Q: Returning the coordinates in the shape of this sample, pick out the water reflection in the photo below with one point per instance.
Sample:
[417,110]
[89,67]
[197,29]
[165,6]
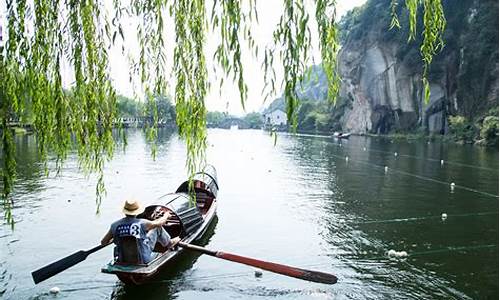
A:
[299,202]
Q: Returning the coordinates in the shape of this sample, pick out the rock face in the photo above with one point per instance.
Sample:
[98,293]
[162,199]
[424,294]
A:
[384,83]
[386,95]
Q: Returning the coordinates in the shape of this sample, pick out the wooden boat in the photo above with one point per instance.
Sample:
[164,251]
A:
[340,135]
[188,221]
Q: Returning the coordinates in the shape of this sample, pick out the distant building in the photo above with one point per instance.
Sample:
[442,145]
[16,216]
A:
[276,117]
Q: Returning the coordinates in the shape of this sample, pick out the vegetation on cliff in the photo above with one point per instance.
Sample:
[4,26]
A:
[482,132]
[466,69]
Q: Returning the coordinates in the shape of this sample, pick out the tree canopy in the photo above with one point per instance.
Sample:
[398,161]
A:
[44,35]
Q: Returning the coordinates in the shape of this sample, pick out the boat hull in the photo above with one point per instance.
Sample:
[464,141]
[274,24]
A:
[139,274]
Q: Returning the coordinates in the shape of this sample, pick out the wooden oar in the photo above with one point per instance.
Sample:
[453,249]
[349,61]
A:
[63,264]
[308,275]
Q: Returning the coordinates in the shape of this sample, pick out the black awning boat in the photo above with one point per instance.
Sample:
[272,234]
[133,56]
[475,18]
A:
[189,221]
[340,135]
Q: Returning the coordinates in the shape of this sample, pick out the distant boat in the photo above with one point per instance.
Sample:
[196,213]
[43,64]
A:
[340,135]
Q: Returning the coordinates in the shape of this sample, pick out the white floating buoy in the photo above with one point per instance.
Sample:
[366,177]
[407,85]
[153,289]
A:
[395,154]
[386,168]
[347,158]
[401,254]
[258,273]
[452,186]
[398,254]
[364,148]
[391,253]
[444,216]
[442,162]
[55,290]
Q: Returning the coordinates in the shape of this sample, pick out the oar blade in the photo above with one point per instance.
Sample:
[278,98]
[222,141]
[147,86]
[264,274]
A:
[308,275]
[319,277]
[58,266]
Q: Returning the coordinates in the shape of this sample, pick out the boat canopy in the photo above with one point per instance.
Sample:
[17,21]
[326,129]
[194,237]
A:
[189,215]
[205,181]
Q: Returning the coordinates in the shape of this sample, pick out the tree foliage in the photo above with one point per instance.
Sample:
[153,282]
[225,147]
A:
[43,35]
[461,129]
[216,119]
[131,108]
[254,120]
[128,108]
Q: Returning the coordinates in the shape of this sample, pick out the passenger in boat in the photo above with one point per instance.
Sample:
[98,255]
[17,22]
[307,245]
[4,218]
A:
[146,233]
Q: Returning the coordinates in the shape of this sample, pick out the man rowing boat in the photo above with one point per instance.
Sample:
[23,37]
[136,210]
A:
[132,232]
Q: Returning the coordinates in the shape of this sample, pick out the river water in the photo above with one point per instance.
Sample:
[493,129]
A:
[300,202]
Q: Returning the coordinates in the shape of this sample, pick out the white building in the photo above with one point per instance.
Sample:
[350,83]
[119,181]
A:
[276,117]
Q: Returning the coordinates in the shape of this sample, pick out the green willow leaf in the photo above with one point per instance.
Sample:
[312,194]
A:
[434,23]
[45,35]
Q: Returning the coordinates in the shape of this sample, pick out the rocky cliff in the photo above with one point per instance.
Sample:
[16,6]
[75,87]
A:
[381,72]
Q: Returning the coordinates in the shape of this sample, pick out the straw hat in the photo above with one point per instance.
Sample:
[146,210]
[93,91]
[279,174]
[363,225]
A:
[132,207]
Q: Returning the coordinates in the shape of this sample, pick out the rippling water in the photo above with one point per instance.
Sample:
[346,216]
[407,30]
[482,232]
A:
[300,202]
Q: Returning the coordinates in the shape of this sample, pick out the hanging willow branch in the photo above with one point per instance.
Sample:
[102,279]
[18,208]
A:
[61,31]
[329,44]
[45,35]
[231,22]
[191,75]
[434,25]
[293,39]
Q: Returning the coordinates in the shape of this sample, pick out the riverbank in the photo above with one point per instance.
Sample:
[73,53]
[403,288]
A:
[448,138]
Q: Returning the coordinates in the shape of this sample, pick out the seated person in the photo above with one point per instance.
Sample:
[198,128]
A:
[147,233]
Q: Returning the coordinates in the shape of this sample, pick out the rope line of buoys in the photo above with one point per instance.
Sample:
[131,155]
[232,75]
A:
[411,219]
[453,249]
[453,185]
[390,254]
[441,161]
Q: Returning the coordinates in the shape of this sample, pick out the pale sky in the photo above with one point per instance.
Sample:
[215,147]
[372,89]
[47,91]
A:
[226,98]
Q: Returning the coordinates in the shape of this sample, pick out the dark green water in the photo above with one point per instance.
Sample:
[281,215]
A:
[299,203]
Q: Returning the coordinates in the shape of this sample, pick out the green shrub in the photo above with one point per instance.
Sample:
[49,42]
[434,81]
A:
[461,130]
[321,123]
[489,130]
[309,122]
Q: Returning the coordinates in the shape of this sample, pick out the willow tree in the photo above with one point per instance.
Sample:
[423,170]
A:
[44,35]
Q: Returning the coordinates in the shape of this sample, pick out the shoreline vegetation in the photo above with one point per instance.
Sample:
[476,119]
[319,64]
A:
[483,133]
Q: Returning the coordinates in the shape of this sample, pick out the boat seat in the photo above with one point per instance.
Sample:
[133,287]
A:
[130,251]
